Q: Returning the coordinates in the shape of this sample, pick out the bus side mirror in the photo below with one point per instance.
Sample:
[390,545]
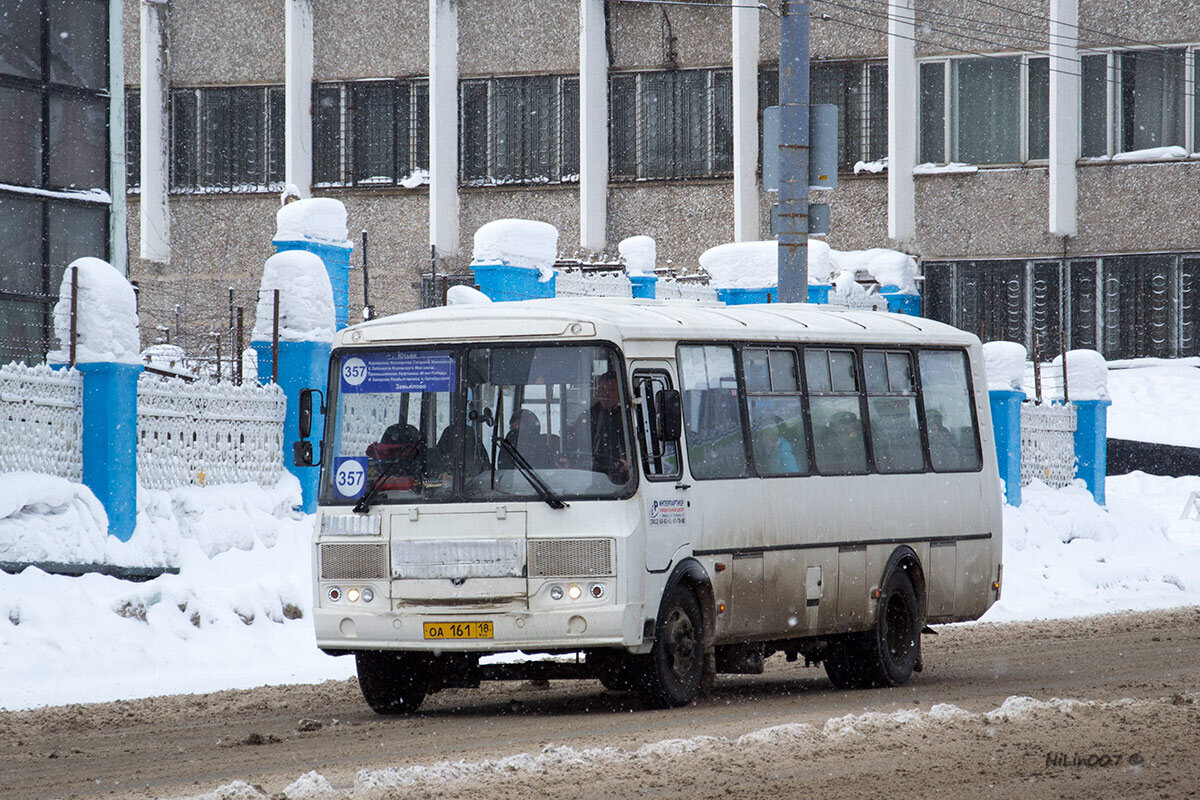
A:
[305,413]
[670,415]
[302,453]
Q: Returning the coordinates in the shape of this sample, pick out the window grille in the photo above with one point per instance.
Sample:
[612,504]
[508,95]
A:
[370,133]
[227,139]
[133,140]
[671,124]
[519,130]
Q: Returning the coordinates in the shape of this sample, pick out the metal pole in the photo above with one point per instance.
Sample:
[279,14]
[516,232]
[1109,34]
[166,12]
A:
[229,330]
[275,340]
[368,312]
[74,313]
[218,338]
[793,151]
[240,345]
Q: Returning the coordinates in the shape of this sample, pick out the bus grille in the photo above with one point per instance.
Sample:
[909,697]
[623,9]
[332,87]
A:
[570,558]
[354,562]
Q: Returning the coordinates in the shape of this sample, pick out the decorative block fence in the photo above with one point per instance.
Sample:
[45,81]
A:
[1047,444]
[41,420]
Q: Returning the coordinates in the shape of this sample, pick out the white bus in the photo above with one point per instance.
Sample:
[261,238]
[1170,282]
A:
[670,489]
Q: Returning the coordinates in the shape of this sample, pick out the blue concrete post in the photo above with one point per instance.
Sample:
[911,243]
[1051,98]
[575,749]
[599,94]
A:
[110,441]
[501,282]
[899,303]
[337,264]
[1091,444]
[302,365]
[643,286]
[1006,423]
[817,293]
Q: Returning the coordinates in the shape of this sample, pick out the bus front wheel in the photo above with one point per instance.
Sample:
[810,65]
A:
[670,675]
[887,654]
[391,683]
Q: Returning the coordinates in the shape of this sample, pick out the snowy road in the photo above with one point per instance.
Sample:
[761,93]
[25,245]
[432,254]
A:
[1140,672]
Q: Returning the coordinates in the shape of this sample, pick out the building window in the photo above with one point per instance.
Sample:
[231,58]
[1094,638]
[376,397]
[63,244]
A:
[371,133]
[519,130]
[985,110]
[671,124]
[859,90]
[133,141]
[54,112]
[1129,306]
[224,139]
[1151,87]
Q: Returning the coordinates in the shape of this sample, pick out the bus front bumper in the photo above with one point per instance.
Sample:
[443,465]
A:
[573,629]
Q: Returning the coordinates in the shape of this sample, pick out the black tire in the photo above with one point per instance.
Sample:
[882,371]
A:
[887,654]
[619,678]
[391,683]
[670,675]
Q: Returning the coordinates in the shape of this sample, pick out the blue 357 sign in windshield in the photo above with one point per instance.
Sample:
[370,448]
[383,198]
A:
[406,371]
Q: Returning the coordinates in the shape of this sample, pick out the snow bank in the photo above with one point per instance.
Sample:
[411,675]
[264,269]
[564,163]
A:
[873,167]
[1004,363]
[1087,375]
[754,265]
[639,253]
[1155,401]
[465,296]
[317,219]
[1149,154]
[888,267]
[929,168]
[518,243]
[305,298]
[106,316]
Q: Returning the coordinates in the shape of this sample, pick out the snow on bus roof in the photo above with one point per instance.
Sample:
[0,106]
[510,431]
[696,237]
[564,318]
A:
[636,318]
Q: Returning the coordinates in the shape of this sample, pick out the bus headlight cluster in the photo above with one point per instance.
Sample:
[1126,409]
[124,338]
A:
[352,595]
[574,591]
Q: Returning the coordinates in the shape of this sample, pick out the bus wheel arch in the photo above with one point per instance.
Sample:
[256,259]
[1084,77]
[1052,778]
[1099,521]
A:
[691,573]
[905,559]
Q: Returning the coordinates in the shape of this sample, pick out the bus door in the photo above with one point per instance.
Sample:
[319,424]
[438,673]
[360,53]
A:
[670,520]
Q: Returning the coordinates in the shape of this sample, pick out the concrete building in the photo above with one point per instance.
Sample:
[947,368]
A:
[428,118]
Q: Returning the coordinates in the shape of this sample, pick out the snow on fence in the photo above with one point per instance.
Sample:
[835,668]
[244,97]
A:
[574,283]
[671,289]
[41,420]
[858,300]
[1047,443]
[206,433]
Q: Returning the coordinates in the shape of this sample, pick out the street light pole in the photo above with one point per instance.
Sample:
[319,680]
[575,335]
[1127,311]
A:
[793,151]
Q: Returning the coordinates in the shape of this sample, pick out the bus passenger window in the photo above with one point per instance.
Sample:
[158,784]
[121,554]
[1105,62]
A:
[833,400]
[776,412]
[892,408]
[949,413]
[715,445]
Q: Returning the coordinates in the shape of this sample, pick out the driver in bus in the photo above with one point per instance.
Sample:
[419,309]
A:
[605,422]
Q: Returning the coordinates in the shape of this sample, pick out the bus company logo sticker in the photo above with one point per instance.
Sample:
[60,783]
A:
[349,476]
[354,371]
[668,512]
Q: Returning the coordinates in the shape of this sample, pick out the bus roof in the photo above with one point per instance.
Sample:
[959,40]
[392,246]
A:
[618,318]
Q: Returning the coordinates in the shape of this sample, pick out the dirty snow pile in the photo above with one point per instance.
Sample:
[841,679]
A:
[305,298]
[237,615]
[754,265]
[317,219]
[106,321]
[639,254]
[518,243]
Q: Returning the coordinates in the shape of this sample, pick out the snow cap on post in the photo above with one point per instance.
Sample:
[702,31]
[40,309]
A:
[640,254]
[465,296]
[1004,363]
[317,219]
[1087,376]
[106,323]
[755,265]
[305,298]
[518,243]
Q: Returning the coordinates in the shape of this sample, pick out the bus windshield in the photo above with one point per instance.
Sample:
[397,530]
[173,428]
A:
[478,423]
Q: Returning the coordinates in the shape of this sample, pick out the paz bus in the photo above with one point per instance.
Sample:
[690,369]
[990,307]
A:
[666,489]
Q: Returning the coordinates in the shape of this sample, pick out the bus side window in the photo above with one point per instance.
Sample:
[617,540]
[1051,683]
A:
[838,441]
[949,411]
[776,411]
[711,415]
[660,460]
[892,408]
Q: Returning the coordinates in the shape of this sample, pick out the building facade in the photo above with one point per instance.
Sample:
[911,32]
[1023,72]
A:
[1055,196]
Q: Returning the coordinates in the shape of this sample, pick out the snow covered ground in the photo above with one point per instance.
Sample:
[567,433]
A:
[1154,400]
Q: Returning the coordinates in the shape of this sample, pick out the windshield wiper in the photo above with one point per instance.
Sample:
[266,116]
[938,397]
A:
[539,485]
[364,503]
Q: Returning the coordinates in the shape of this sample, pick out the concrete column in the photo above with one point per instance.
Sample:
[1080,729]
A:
[443,126]
[155,218]
[593,127]
[902,121]
[1065,68]
[118,248]
[298,68]
[745,124]
[1006,423]
[1091,444]
[336,258]
[110,441]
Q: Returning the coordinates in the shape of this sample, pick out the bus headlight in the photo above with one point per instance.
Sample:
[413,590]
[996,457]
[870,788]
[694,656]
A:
[556,593]
[574,592]
[368,595]
[352,595]
[334,594]
[597,591]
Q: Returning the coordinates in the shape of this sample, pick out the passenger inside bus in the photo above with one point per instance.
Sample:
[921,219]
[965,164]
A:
[401,454]
[840,447]
[774,453]
[603,425]
[525,434]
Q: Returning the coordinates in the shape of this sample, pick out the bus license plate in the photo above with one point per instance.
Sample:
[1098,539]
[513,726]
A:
[458,630]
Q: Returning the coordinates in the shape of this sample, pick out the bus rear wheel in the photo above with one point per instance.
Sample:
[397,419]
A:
[391,683]
[887,654]
[670,675]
